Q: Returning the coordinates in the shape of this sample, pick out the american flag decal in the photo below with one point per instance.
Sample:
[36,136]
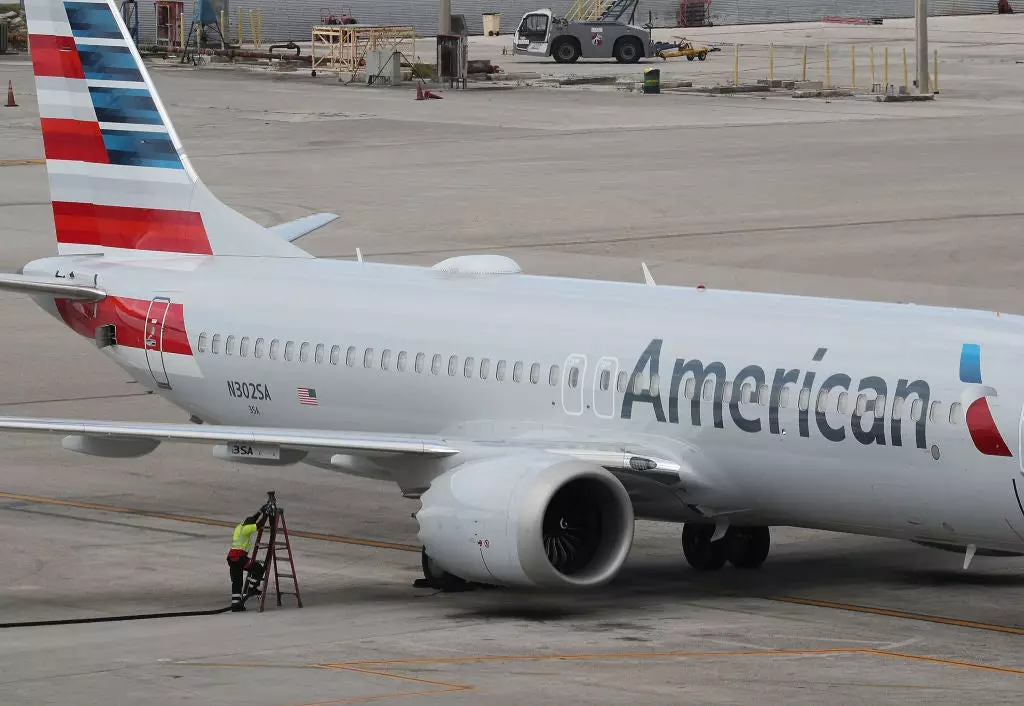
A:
[307,395]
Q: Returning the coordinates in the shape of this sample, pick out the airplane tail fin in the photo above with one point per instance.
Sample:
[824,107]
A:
[119,177]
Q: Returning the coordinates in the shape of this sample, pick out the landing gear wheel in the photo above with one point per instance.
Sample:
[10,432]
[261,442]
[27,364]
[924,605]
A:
[438,578]
[628,51]
[700,552]
[748,546]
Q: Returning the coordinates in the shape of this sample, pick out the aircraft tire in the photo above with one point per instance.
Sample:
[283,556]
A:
[701,553]
[437,577]
[748,546]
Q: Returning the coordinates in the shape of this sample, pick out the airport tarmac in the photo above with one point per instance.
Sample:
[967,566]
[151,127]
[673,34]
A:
[915,202]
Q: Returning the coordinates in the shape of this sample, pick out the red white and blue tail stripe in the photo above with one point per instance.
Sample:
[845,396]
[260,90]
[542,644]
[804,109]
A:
[119,177]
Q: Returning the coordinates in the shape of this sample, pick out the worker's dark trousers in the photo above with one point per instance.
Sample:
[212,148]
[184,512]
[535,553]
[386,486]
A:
[255,576]
[236,564]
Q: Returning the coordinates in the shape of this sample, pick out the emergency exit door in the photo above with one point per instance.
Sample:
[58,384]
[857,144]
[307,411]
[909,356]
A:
[156,318]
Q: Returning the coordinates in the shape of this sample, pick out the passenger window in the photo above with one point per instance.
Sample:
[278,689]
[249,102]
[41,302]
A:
[954,413]
[935,411]
[229,346]
[368,358]
[335,354]
[258,349]
[553,376]
[215,344]
[403,361]
[689,387]
[655,384]
[897,407]
[517,371]
[304,352]
[844,397]
[606,380]
[535,373]
[747,392]
[822,400]
[620,384]
[468,368]
[862,404]
[727,391]
[243,346]
[420,359]
[453,365]
[574,377]
[385,359]
[880,406]
[201,343]
[350,356]
[916,409]
[435,365]
[485,368]
[499,371]
[804,400]
[765,395]
[289,350]
[709,389]
[784,396]
[319,355]
[275,348]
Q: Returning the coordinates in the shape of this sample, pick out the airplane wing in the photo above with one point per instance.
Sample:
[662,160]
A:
[293,230]
[65,288]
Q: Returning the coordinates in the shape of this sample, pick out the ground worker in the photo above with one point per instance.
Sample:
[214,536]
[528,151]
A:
[239,560]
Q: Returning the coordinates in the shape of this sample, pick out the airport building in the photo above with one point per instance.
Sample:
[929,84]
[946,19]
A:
[293,20]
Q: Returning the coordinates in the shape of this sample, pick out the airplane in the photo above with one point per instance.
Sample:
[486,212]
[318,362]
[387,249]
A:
[535,419]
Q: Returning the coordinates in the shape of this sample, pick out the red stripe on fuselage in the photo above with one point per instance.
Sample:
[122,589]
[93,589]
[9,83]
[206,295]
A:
[131,228]
[55,56]
[129,319]
[73,140]
[984,433]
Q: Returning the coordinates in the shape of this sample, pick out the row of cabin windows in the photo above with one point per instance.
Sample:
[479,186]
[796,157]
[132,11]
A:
[469,366]
[844,404]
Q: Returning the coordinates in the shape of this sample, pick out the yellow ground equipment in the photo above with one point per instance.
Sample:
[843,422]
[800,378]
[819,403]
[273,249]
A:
[683,47]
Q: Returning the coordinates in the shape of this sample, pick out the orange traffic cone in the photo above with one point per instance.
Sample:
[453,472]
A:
[419,91]
[10,95]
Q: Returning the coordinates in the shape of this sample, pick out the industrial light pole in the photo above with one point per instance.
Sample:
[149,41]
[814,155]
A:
[444,17]
[921,44]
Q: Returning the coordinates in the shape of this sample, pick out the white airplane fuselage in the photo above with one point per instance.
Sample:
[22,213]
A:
[757,448]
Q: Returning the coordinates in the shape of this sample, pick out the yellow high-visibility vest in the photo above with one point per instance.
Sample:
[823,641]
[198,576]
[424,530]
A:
[243,537]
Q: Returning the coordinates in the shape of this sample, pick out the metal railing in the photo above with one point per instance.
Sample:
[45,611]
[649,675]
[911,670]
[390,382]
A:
[587,10]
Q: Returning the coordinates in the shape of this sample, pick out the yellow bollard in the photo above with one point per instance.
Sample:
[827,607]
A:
[259,24]
[828,69]
[736,65]
[771,62]
[804,72]
[239,26]
[252,26]
[853,66]
[181,32]
[935,78]
[871,55]
[906,79]
[885,70]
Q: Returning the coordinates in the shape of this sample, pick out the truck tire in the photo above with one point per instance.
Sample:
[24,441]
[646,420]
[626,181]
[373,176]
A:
[702,55]
[566,50]
[628,50]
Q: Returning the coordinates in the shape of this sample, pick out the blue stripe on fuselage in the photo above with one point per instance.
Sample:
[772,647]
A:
[104,63]
[125,105]
[93,20]
[970,363]
[141,149]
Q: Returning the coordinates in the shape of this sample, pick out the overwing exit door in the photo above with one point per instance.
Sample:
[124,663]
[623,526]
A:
[156,317]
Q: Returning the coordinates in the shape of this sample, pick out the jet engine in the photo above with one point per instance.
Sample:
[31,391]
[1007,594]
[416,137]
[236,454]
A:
[527,520]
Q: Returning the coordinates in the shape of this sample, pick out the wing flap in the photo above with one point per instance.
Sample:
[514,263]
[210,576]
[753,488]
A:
[57,287]
[338,441]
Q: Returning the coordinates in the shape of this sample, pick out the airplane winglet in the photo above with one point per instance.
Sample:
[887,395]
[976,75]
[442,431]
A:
[647,275]
[969,555]
[293,230]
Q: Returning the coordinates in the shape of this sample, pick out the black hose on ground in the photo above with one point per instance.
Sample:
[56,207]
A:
[114,618]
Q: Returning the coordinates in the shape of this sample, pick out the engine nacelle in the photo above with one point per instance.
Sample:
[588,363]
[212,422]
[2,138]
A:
[530,520]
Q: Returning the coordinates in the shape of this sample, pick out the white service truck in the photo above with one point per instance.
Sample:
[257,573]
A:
[541,33]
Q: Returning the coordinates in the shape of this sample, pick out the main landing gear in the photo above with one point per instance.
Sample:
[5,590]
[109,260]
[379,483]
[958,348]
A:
[743,547]
[437,578]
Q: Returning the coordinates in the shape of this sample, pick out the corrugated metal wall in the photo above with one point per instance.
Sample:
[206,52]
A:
[292,19]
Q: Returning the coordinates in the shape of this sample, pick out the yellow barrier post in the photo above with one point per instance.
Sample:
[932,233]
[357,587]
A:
[935,78]
[853,66]
[771,62]
[828,69]
[259,24]
[181,32]
[885,69]
[223,41]
[252,26]
[736,65]
[804,71]
[871,56]
[239,27]
[906,79]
